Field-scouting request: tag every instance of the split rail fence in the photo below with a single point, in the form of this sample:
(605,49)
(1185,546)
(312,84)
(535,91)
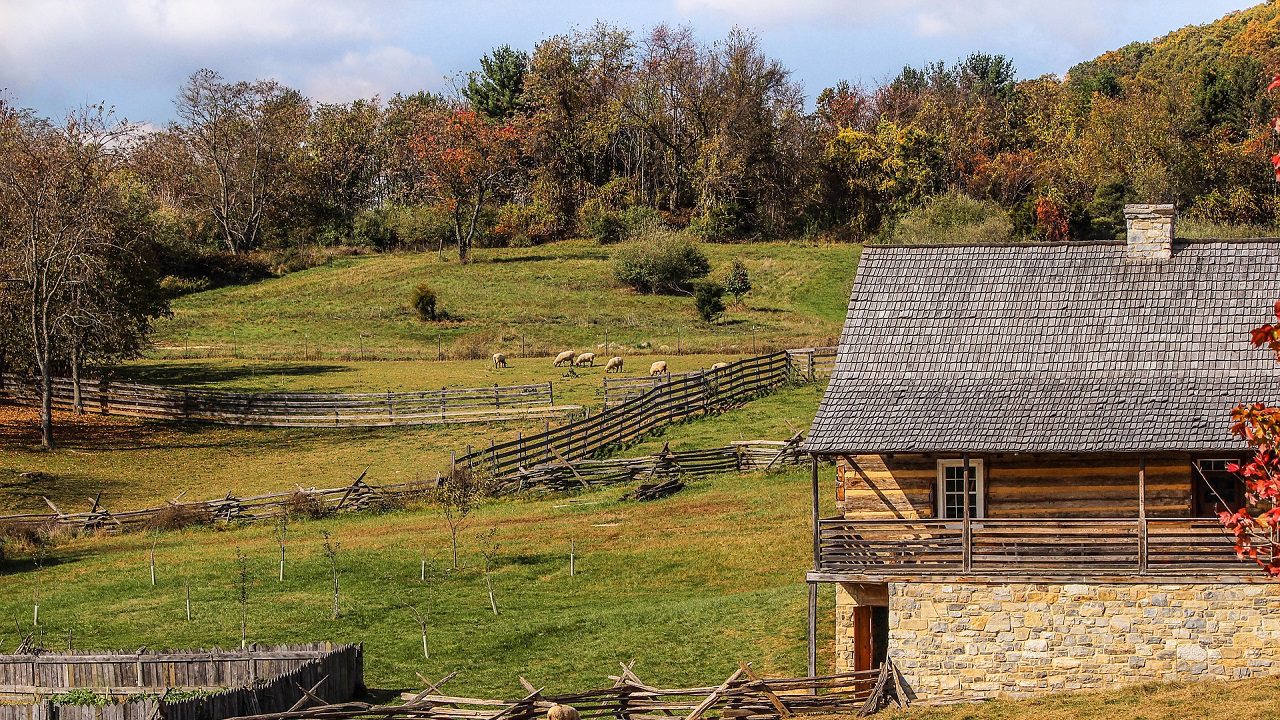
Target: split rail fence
(311,410)
(240,682)
(741,456)
(742,696)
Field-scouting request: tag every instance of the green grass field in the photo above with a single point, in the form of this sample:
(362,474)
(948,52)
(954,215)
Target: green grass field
(687,586)
(553,296)
(137,463)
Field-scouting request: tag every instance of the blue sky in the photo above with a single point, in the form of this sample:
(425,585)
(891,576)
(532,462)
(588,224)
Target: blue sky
(56,54)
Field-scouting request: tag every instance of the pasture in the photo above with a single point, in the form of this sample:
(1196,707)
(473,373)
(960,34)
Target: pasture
(550,297)
(687,586)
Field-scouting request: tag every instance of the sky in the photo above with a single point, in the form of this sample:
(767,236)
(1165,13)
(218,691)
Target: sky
(134,54)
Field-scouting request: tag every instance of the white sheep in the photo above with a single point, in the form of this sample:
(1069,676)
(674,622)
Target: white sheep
(587,358)
(565,357)
(719,365)
(614,365)
(499,360)
(658,368)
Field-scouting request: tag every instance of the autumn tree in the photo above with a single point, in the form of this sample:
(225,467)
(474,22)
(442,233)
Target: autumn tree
(341,164)
(242,137)
(466,161)
(72,239)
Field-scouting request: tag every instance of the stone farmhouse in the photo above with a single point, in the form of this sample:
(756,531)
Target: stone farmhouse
(1030,446)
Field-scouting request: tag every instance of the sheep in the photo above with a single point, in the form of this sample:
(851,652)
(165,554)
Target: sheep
(565,357)
(587,358)
(614,365)
(499,360)
(562,712)
(719,365)
(658,368)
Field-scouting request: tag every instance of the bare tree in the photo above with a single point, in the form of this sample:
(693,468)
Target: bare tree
(458,495)
(60,193)
(242,136)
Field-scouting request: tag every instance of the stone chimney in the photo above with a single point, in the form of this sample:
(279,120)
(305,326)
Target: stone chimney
(1150,231)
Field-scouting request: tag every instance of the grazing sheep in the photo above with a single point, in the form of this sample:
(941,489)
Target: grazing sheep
(565,357)
(587,358)
(719,365)
(499,360)
(562,712)
(614,365)
(658,368)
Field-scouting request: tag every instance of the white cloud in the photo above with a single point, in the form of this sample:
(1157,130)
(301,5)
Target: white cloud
(382,71)
(334,48)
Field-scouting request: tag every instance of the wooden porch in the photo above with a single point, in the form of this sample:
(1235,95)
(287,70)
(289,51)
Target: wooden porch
(1137,549)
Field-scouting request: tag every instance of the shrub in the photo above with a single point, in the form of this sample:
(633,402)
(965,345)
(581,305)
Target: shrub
(660,262)
(173,286)
(721,221)
(708,298)
(80,696)
(737,282)
(305,504)
(525,224)
(424,302)
(952,218)
(177,517)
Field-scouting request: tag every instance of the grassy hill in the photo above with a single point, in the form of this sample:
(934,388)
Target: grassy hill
(687,586)
(554,296)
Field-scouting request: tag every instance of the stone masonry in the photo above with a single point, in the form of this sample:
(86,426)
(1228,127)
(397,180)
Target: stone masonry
(971,641)
(1150,231)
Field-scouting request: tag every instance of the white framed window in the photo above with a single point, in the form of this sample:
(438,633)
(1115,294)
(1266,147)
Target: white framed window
(950,492)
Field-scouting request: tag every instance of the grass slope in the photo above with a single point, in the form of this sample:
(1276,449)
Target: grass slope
(556,296)
(688,586)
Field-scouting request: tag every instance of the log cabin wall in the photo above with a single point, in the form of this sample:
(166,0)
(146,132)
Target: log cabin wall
(1018,486)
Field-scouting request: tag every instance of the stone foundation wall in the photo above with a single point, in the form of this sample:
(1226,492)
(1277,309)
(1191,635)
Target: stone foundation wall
(969,641)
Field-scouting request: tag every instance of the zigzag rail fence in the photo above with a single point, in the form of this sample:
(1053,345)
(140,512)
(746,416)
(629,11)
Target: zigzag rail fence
(559,459)
(231,683)
(309,410)
(744,695)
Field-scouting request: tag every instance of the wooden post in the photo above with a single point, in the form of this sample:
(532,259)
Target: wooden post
(572,559)
(1142,514)
(968,521)
(813,632)
(815,512)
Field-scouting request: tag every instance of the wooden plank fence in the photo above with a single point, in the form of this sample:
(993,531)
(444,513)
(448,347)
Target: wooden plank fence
(669,401)
(742,696)
(312,410)
(241,682)
(806,363)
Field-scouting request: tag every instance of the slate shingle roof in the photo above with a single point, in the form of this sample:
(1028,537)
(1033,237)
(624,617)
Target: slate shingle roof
(1063,348)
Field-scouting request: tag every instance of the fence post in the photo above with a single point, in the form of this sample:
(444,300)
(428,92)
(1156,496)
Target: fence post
(551,392)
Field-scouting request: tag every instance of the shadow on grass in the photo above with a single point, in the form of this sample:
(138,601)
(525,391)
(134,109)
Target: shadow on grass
(199,373)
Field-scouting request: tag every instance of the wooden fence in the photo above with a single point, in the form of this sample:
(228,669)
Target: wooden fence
(806,363)
(814,362)
(314,502)
(313,410)
(741,456)
(240,682)
(742,696)
(675,399)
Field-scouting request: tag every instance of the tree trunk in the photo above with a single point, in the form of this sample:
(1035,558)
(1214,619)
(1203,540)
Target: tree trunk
(77,403)
(46,406)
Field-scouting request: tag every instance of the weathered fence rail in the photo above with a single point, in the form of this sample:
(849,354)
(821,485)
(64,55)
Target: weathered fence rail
(741,456)
(304,501)
(666,402)
(742,696)
(240,682)
(808,363)
(316,410)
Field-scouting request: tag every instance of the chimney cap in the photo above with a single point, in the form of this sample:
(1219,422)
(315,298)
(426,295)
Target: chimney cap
(1167,209)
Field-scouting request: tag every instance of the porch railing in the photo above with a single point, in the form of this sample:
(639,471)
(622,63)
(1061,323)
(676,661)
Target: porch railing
(1041,547)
